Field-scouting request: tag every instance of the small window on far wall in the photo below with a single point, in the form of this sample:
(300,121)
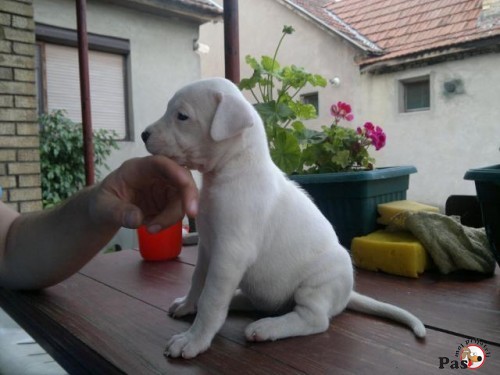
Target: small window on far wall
(415,94)
(311,98)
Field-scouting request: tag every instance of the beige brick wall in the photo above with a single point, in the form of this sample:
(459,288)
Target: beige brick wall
(19,141)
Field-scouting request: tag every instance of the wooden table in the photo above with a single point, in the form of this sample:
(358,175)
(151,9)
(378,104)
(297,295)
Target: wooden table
(111,317)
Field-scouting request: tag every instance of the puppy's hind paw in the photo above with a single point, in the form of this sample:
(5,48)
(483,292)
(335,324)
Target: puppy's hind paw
(261,330)
(181,307)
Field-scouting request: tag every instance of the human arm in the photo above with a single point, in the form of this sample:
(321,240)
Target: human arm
(41,249)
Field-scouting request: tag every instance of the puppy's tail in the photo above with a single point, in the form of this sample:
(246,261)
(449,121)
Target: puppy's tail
(367,305)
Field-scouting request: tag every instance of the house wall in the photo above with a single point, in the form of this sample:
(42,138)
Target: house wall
(161,57)
(161,61)
(458,133)
(19,141)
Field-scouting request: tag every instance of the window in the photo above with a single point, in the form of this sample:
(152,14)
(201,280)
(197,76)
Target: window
(311,98)
(415,94)
(58,78)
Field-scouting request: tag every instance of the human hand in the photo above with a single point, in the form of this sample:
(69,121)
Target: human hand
(153,190)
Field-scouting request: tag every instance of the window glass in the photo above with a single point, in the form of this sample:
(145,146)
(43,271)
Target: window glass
(311,98)
(416,95)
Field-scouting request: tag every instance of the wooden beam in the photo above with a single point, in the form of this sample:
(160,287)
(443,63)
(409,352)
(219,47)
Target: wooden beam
(231,41)
(83,59)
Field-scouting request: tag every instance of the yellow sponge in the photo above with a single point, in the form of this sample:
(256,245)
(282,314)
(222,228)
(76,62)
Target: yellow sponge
(388,210)
(398,253)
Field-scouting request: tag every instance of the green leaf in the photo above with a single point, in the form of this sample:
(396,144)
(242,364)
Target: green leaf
(303,111)
(252,62)
(247,83)
(314,136)
(288,29)
(270,65)
(266,110)
(341,158)
(298,126)
(294,77)
(286,151)
(317,80)
(284,112)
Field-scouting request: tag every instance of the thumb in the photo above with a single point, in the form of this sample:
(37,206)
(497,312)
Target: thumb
(129,216)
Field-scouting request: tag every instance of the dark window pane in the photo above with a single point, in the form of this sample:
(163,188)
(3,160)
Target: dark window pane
(417,95)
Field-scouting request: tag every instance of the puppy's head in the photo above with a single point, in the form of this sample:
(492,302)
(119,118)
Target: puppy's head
(202,122)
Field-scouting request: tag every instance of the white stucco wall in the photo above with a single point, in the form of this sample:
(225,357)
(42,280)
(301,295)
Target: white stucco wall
(458,133)
(161,61)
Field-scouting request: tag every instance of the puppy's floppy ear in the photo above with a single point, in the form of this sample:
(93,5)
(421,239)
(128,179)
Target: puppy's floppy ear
(232,116)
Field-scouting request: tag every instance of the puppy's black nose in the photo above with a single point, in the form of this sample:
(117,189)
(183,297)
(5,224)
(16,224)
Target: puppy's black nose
(145,135)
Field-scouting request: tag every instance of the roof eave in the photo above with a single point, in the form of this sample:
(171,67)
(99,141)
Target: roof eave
(311,17)
(198,13)
(428,57)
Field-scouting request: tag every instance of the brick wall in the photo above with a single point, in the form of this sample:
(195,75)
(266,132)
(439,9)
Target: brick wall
(19,141)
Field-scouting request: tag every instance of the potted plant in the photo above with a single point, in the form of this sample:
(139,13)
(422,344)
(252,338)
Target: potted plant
(333,165)
(339,174)
(487,182)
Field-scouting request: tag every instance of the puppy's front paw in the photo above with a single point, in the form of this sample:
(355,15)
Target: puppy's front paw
(181,307)
(185,345)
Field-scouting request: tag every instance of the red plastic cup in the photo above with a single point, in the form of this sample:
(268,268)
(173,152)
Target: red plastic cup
(163,245)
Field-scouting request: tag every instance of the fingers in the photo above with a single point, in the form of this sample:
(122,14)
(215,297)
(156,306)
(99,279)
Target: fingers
(182,179)
(136,173)
(130,216)
(129,197)
(165,219)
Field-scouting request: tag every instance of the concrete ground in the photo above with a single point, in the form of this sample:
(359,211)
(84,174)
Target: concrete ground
(20,354)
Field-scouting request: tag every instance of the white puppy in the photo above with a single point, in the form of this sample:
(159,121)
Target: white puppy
(263,242)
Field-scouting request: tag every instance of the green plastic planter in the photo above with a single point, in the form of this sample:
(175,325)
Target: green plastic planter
(349,199)
(488,193)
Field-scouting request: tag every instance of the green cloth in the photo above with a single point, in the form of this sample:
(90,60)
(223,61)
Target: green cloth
(451,245)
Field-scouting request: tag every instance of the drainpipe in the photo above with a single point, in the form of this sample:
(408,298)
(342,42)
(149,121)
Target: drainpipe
(83,59)
(231,41)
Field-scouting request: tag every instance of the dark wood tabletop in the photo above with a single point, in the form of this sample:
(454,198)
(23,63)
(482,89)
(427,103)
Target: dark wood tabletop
(111,317)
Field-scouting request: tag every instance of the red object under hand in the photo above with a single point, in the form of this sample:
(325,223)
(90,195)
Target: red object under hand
(163,245)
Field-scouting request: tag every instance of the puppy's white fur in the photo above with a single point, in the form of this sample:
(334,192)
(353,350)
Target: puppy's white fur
(263,242)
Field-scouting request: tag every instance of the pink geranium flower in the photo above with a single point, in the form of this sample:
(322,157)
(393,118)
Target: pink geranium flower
(357,141)
(374,133)
(341,111)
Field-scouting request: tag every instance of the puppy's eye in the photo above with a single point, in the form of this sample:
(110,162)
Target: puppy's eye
(182,116)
